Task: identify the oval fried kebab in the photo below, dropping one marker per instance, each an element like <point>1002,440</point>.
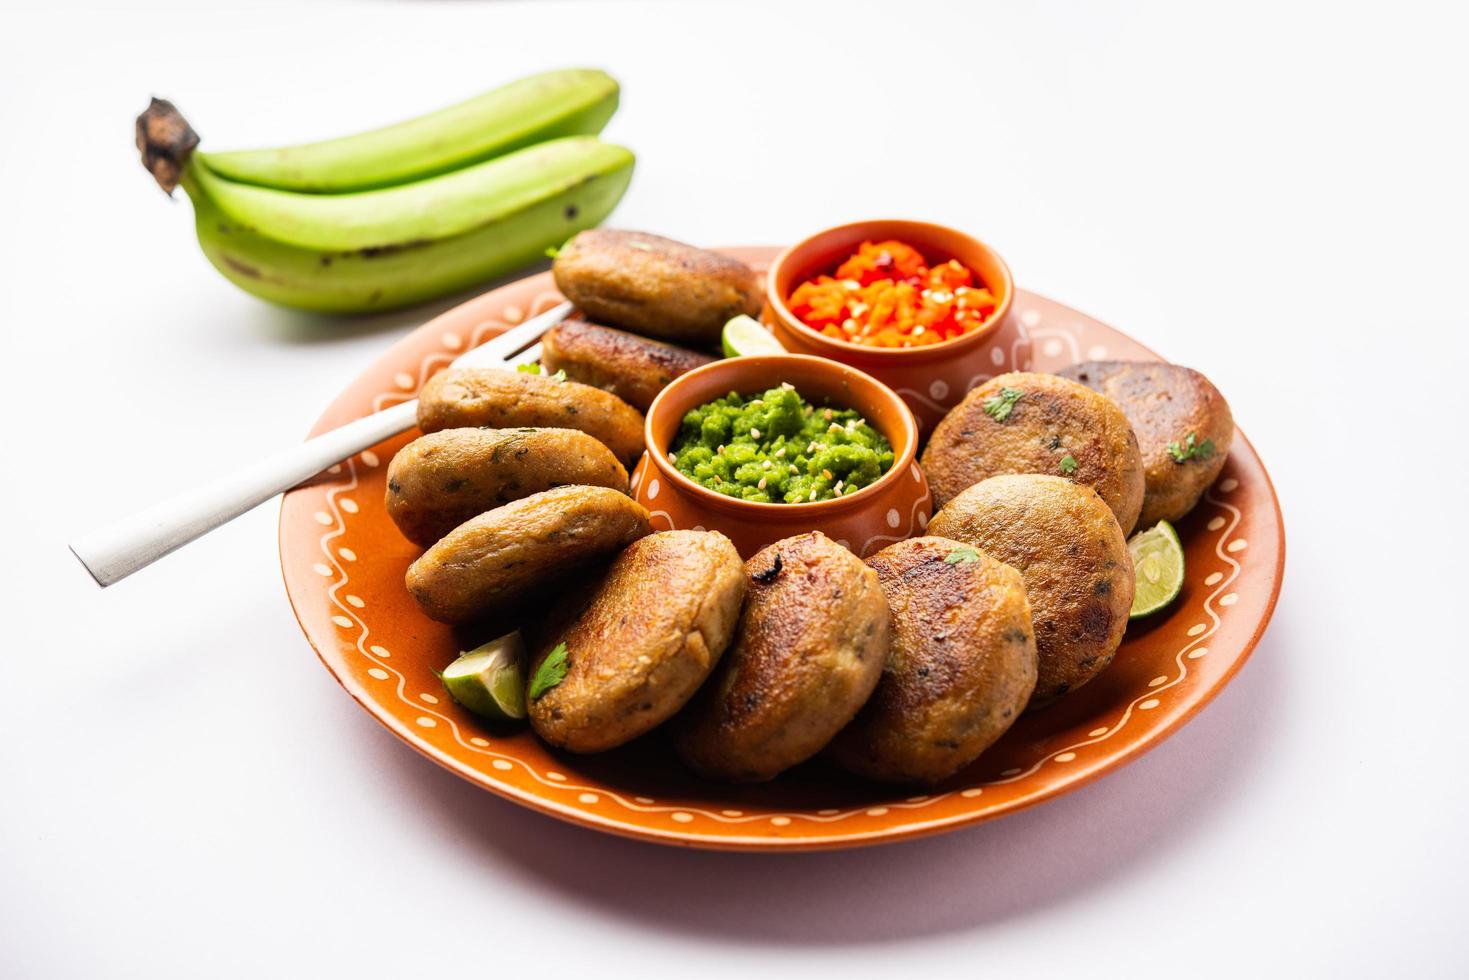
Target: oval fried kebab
<point>441,480</point>
<point>491,563</point>
<point>653,630</point>
<point>809,649</point>
<point>962,666</point>
<point>655,286</point>
<point>1183,424</point>
<point>1037,423</point>
<point>633,368</point>
<point>502,399</point>
<point>1078,574</point>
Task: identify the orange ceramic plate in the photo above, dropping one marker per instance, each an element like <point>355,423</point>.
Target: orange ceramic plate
<point>343,562</point>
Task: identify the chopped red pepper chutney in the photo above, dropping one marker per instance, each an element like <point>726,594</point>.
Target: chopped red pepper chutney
<point>886,295</point>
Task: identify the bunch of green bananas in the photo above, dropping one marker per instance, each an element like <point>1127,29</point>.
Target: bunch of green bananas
<point>402,214</point>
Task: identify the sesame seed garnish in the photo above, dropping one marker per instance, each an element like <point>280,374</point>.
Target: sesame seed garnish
<point>833,428</point>
<point>838,485</point>
<point>765,464</point>
<point>793,468</point>
<point>813,494</point>
<point>780,452</point>
<point>673,457</point>
<point>761,484</point>
<point>754,433</point>
<point>826,413</point>
<point>788,386</point>
<point>826,473</point>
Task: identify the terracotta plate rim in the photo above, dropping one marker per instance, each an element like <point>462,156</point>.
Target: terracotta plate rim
<point>897,831</point>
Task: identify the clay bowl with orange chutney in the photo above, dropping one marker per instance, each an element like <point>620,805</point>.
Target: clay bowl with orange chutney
<point>931,377</point>
<point>895,506</point>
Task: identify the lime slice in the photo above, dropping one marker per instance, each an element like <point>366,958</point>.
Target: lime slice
<point>745,337</point>
<point>490,680</point>
<point>1157,564</point>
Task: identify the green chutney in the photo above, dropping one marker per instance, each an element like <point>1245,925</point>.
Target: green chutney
<point>778,448</point>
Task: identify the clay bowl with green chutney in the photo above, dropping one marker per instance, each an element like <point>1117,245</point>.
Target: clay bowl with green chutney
<point>814,468</point>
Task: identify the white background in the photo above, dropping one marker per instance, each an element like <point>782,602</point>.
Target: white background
<point>1274,193</point>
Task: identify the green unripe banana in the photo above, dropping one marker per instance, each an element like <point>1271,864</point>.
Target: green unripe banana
<point>546,106</point>
<point>414,269</point>
<point>439,207</point>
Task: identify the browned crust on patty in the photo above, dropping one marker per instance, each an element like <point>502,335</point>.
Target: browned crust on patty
<point>501,399</point>
<point>1054,418</point>
<point>491,563</point>
<point>633,368</point>
<point>962,666</point>
<point>1165,403</point>
<point>810,646</point>
<point>440,480</point>
<point>655,286</point>
<point>1078,574</point>
<point>653,630</point>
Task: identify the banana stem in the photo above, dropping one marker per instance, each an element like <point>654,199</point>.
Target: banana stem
<point>166,140</point>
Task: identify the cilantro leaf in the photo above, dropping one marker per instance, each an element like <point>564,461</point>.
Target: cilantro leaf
<point>1068,464</point>
<point>999,407</point>
<point>559,375</point>
<point>1191,448</point>
<point>533,367</point>
<point>551,672</point>
<point>962,556</point>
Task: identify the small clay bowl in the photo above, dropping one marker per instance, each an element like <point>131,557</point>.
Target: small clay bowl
<point>931,379</point>
<point>896,506</point>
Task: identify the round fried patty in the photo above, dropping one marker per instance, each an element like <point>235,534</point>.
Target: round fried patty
<point>441,480</point>
<point>639,649</point>
<point>809,649</point>
<point>1078,574</point>
<point>633,368</point>
<point>503,399</point>
<point>1183,424</point>
<point>962,666</point>
<point>491,563</point>
<point>1038,423</point>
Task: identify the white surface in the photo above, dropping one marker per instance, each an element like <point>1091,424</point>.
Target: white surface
<point>1272,193</point>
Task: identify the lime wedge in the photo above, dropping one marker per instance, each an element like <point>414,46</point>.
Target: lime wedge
<point>744,336</point>
<point>1157,564</point>
<point>490,679</point>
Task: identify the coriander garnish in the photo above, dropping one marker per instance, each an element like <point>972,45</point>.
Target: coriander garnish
<point>1191,449</point>
<point>551,672</point>
<point>559,375</point>
<point>1068,464</point>
<point>534,367</point>
<point>999,407</point>
<point>963,555</point>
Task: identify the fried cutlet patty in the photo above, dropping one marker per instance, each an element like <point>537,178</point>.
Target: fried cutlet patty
<point>440,480</point>
<point>649,635</point>
<point>633,368</point>
<point>655,286</point>
<point>962,666</point>
<point>491,563</point>
<point>1038,423</point>
<point>503,399</point>
<point>1067,545</point>
<point>809,649</point>
<point>1168,405</point>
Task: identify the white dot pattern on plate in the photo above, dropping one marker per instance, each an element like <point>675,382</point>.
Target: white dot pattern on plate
<point>344,506</point>
<point>513,314</point>
<point>894,518</point>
